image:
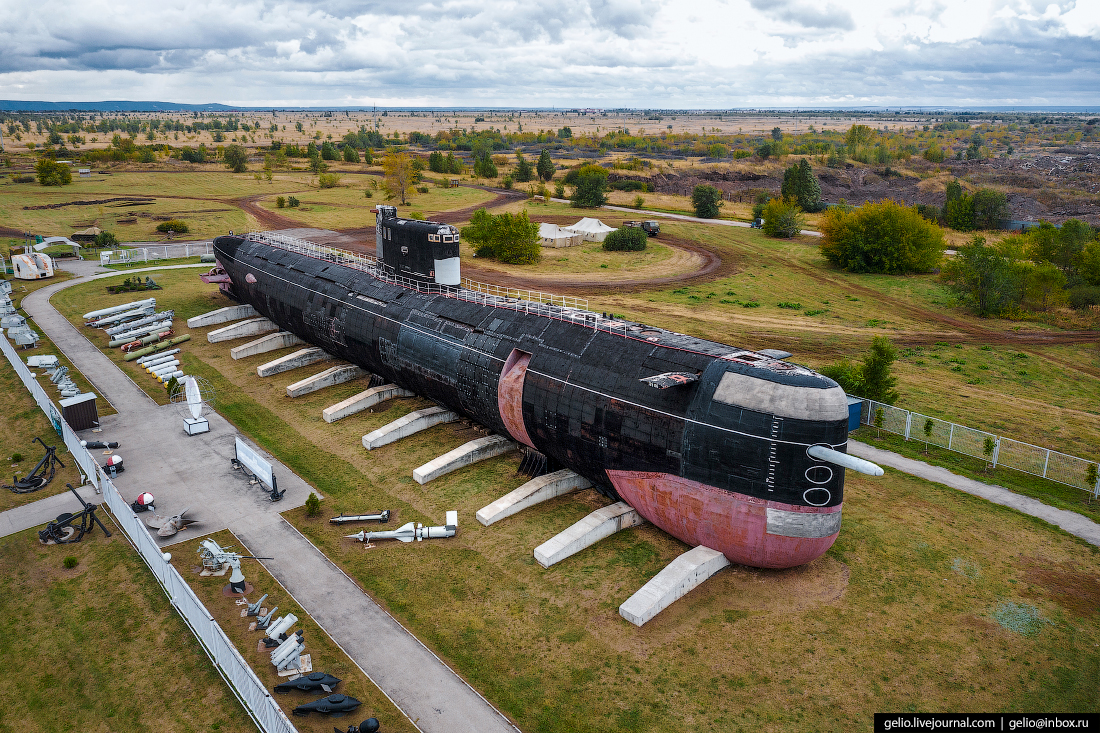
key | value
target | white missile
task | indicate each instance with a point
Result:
(411, 531)
(159, 356)
(117, 318)
(143, 331)
(844, 460)
(155, 318)
(281, 624)
(118, 308)
(167, 377)
(152, 365)
(164, 366)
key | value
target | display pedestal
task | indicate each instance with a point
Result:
(196, 425)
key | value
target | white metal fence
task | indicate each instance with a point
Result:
(998, 450)
(244, 683)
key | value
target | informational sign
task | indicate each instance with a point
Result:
(251, 460)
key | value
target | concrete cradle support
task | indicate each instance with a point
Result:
(363, 401)
(327, 378)
(676, 580)
(403, 427)
(300, 358)
(535, 491)
(222, 315)
(464, 455)
(590, 530)
(279, 340)
(251, 327)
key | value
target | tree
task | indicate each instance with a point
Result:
(873, 378)
(987, 280)
(883, 237)
(990, 208)
(858, 138)
(52, 173)
(706, 200)
(545, 166)
(952, 191)
(105, 240)
(328, 151)
(565, 133)
(524, 171)
(934, 154)
(510, 238)
(484, 167)
(777, 133)
(399, 175)
(958, 213)
(435, 162)
(782, 218)
(351, 155)
(236, 158)
(800, 183)
(590, 188)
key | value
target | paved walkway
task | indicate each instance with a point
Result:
(643, 213)
(1071, 522)
(193, 472)
(45, 510)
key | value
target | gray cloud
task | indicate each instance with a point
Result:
(515, 53)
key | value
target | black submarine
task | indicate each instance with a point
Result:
(734, 449)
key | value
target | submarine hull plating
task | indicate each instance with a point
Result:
(717, 458)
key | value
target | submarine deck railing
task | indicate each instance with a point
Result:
(561, 307)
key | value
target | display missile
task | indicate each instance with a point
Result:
(166, 377)
(164, 366)
(282, 624)
(155, 318)
(119, 308)
(383, 517)
(118, 318)
(160, 359)
(161, 355)
(143, 331)
(844, 460)
(411, 531)
(154, 349)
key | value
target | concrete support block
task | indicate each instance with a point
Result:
(403, 427)
(677, 579)
(251, 327)
(279, 340)
(327, 378)
(535, 491)
(590, 530)
(363, 401)
(464, 455)
(222, 315)
(300, 358)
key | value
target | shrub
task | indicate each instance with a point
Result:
(16, 457)
(990, 208)
(626, 239)
(351, 155)
(369, 194)
(871, 379)
(328, 180)
(70, 562)
(706, 201)
(313, 505)
(883, 237)
(507, 183)
(782, 218)
(421, 189)
(52, 173)
(293, 202)
(328, 151)
(1084, 296)
(639, 202)
(280, 202)
(173, 225)
(559, 190)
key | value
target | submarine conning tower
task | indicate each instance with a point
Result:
(422, 251)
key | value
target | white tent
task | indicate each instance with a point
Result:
(551, 235)
(593, 230)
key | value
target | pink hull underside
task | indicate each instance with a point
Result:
(734, 524)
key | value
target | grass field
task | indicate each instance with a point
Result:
(930, 600)
(98, 646)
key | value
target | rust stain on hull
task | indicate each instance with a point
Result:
(734, 524)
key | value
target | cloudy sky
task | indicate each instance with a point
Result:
(526, 53)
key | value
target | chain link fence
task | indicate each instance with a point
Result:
(998, 450)
(240, 677)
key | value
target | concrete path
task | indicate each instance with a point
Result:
(194, 472)
(38, 513)
(1071, 522)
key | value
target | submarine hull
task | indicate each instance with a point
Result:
(717, 459)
